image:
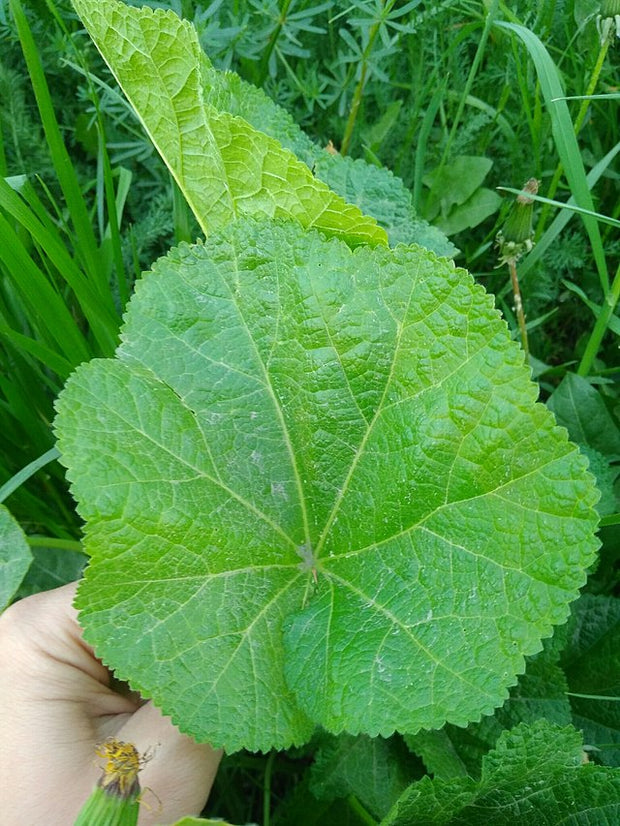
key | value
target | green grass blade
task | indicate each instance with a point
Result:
(25, 473)
(564, 137)
(101, 320)
(46, 308)
(604, 219)
(50, 358)
(86, 245)
(113, 201)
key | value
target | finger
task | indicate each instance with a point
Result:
(54, 703)
(41, 637)
(179, 772)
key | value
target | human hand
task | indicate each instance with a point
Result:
(56, 706)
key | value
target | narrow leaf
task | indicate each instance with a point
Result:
(564, 138)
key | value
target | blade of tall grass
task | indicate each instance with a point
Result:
(85, 242)
(50, 358)
(114, 201)
(421, 144)
(564, 138)
(3, 166)
(614, 321)
(600, 327)
(31, 216)
(26, 472)
(46, 308)
(492, 8)
(604, 219)
(606, 96)
(25, 410)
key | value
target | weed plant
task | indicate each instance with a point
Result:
(86, 205)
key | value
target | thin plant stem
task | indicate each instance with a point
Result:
(54, 542)
(470, 80)
(267, 788)
(579, 120)
(360, 811)
(359, 91)
(273, 39)
(516, 292)
(599, 329)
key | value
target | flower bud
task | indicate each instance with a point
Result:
(515, 238)
(115, 799)
(608, 21)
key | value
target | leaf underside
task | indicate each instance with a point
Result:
(318, 490)
(224, 167)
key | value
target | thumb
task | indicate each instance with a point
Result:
(178, 772)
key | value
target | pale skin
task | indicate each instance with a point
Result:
(56, 706)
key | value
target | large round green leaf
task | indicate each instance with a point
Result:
(318, 489)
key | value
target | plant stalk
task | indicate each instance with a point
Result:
(490, 17)
(54, 542)
(516, 292)
(360, 811)
(273, 39)
(267, 788)
(361, 83)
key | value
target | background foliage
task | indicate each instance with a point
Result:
(454, 106)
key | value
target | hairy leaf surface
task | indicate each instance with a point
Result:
(318, 490)
(224, 166)
(535, 775)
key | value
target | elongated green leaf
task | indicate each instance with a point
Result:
(318, 490)
(15, 557)
(580, 408)
(564, 138)
(30, 213)
(45, 306)
(224, 167)
(67, 176)
(591, 660)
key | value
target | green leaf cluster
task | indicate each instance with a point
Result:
(316, 484)
(536, 774)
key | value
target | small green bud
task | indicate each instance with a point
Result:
(608, 21)
(515, 238)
